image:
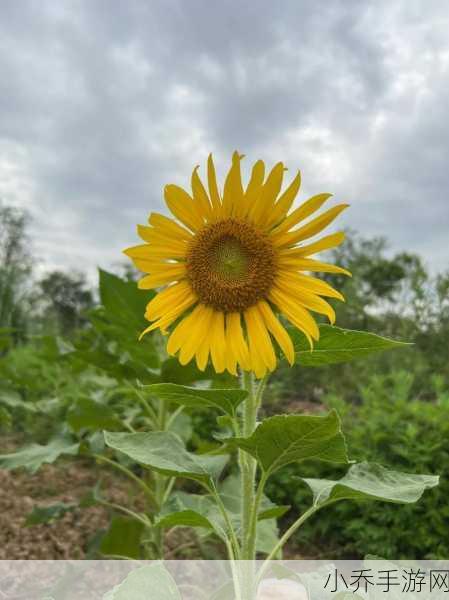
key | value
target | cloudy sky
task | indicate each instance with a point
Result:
(103, 102)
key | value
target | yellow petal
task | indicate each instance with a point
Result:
(202, 354)
(254, 187)
(317, 286)
(154, 253)
(308, 264)
(233, 189)
(257, 364)
(179, 336)
(302, 212)
(277, 330)
(259, 339)
(141, 251)
(169, 227)
(306, 298)
(152, 235)
(199, 326)
(164, 252)
(285, 201)
(236, 340)
(169, 317)
(325, 243)
(212, 184)
(311, 228)
(295, 313)
(271, 188)
(217, 342)
(163, 266)
(169, 274)
(183, 207)
(147, 265)
(168, 299)
(200, 195)
(231, 361)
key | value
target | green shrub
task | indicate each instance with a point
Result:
(403, 433)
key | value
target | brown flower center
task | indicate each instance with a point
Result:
(230, 265)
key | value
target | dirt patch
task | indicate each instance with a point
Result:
(66, 538)
(70, 537)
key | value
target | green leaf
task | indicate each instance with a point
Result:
(87, 413)
(195, 510)
(6, 419)
(370, 481)
(182, 426)
(230, 491)
(13, 400)
(122, 538)
(32, 457)
(150, 581)
(191, 510)
(165, 452)
(46, 514)
(225, 400)
(267, 536)
(173, 372)
(338, 345)
(281, 440)
(122, 300)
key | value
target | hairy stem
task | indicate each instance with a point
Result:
(252, 534)
(247, 463)
(160, 480)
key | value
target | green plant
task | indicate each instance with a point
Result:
(387, 425)
(147, 439)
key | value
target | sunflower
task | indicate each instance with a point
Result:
(229, 264)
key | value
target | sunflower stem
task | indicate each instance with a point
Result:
(248, 465)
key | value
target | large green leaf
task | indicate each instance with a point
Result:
(285, 439)
(146, 583)
(165, 452)
(87, 413)
(32, 457)
(338, 345)
(122, 538)
(367, 481)
(122, 300)
(120, 319)
(225, 400)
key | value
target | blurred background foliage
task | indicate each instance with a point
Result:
(64, 345)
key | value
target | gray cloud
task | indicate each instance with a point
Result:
(102, 103)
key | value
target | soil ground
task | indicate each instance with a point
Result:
(70, 536)
(67, 538)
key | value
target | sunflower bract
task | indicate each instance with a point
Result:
(228, 266)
